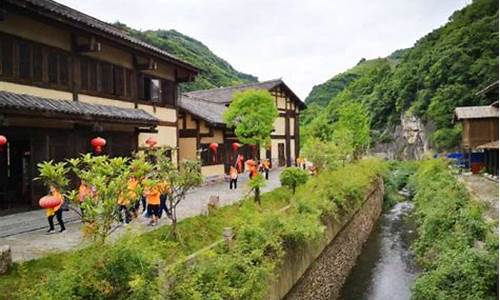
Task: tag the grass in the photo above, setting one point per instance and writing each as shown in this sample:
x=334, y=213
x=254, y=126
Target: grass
x=195, y=232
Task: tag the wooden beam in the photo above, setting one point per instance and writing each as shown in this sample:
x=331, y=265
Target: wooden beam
x=145, y=64
x=92, y=46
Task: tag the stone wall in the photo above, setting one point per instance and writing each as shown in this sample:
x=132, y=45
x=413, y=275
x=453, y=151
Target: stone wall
x=318, y=270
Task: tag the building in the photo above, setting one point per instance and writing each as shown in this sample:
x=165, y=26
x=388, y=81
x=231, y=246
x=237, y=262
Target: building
x=480, y=124
x=480, y=131
x=201, y=123
x=66, y=77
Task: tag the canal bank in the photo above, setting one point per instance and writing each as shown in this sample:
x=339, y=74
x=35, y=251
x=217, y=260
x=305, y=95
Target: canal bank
x=318, y=271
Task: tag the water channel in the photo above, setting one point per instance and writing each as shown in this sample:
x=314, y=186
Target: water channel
x=386, y=268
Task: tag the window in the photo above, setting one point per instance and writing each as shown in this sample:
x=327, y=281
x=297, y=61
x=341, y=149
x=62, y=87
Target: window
x=7, y=57
x=24, y=60
x=52, y=67
x=128, y=83
x=168, y=92
x=150, y=89
x=106, y=78
x=92, y=65
x=63, y=69
x=155, y=90
x=37, y=63
x=119, y=81
x=84, y=74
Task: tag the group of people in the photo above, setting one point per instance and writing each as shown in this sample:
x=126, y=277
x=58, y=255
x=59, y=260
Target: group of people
x=253, y=167
x=154, y=200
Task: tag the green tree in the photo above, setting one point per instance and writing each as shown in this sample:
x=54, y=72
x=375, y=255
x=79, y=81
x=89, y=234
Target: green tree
x=252, y=114
x=179, y=180
x=354, y=118
x=292, y=177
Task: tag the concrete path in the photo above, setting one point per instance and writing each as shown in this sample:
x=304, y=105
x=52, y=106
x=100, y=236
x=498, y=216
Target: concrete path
x=486, y=190
x=27, y=237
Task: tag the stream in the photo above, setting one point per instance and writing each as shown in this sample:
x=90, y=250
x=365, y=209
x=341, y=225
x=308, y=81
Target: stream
x=386, y=268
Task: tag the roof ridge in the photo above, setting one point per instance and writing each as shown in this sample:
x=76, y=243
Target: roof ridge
x=236, y=86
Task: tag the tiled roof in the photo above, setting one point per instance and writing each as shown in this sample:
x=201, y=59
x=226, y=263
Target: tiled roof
x=210, y=105
x=22, y=102
x=225, y=94
x=86, y=20
x=476, y=112
x=208, y=111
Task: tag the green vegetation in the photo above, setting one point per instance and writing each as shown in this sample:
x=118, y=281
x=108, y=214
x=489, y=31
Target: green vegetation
x=215, y=71
x=329, y=144
x=457, y=249
x=139, y=266
x=397, y=179
x=252, y=114
x=293, y=177
x=245, y=269
x=134, y=258
x=443, y=70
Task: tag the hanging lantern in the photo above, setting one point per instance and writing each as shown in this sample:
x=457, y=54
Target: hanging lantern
x=235, y=146
x=49, y=202
x=213, y=147
x=151, y=142
x=98, y=143
x=3, y=142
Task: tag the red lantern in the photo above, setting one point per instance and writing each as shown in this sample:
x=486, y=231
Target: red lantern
x=235, y=146
x=49, y=202
x=98, y=143
x=213, y=147
x=3, y=142
x=151, y=142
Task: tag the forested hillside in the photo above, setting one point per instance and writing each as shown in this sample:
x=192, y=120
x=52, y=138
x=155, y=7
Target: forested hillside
x=444, y=69
x=215, y=71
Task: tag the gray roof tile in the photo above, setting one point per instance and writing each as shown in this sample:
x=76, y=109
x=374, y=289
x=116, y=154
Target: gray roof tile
x=23, y=102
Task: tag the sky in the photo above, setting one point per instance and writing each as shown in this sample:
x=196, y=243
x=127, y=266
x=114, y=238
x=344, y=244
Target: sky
x=304, y=42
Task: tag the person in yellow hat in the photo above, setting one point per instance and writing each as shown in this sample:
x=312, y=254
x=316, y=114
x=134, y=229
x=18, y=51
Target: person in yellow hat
x=152, y=194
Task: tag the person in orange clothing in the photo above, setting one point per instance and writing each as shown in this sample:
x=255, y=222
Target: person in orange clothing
x=56, y=211
x=124, y=201
x=84, y=191
x=152, y=195
x=233, y=178
x=266, y=166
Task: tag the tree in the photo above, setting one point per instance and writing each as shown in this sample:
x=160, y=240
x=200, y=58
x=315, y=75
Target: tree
x=292, y=177
x=108, y=179
x=354, y=118
x=180, y=180
x=252, y=114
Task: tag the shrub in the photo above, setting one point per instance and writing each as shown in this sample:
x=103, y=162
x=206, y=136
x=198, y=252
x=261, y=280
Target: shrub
x=449, y=225
x=292, y=177
x=124, y=270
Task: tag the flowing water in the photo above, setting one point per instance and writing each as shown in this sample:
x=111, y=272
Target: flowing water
x=385, y=269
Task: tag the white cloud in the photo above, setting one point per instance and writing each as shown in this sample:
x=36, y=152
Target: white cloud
x=305, y=42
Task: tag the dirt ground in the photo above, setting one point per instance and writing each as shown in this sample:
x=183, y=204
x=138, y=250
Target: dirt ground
x=486, y=190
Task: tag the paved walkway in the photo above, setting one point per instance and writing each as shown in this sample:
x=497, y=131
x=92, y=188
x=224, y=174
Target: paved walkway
x=27, y=237
x=486, y=190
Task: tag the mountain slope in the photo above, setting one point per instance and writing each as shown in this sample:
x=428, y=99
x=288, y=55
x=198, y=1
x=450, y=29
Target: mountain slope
x=322, y=93
x=441, y=71
x=215, y=71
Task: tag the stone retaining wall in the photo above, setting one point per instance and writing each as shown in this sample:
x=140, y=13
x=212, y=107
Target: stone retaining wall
x=318, y=270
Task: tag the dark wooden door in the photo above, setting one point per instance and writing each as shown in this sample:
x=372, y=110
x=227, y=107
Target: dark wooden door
x=281, y=154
